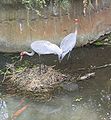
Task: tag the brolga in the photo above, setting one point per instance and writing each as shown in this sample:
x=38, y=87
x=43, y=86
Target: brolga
x=69, y=42
x=41, y=48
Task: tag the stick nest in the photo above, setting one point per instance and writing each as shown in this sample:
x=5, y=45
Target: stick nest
x=32, y=84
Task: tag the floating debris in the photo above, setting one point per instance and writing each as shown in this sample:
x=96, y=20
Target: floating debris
x=19, y=112
x=88, y=75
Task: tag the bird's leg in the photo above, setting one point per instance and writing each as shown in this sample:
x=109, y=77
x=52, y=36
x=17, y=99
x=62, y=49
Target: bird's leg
x=69, y=54
x=39, y=65
x=44, y=66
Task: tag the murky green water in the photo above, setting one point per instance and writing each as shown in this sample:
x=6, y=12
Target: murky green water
x=90, y=101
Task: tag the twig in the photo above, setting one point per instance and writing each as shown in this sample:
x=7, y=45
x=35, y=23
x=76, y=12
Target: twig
x=8, y=67
x=102, y=66
x=88, y=75
x=19, y=112
x=94, y=67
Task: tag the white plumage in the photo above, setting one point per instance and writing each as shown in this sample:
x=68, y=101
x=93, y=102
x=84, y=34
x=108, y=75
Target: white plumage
x=45, y=47
x=67, y=44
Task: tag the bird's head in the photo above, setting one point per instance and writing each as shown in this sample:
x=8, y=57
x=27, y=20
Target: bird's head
x=22, y=54
x=61, y=57
x=76, y=21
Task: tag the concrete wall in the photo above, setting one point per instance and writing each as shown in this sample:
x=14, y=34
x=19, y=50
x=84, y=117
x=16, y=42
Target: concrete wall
x=18, y=28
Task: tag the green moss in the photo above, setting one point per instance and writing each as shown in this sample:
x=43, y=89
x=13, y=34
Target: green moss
x=98, y=43
x=34, y=3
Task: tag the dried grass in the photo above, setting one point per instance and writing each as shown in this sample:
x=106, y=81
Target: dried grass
x=32, y=84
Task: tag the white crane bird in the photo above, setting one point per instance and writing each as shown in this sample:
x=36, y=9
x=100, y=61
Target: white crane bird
x=43, y=47
x=69, y=42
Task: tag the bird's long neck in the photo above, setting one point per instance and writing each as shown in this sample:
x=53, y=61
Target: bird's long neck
x=76, y=28
x=30, y=54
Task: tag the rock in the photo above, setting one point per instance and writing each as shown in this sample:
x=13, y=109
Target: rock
x=70, y=86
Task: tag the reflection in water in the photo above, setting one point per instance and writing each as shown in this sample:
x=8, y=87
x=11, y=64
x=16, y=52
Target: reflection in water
x=89, y=103
x=64, y=107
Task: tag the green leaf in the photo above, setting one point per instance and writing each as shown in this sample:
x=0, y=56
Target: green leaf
x=98, y=43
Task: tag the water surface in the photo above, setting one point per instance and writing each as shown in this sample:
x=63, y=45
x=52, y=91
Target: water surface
x=89, y=101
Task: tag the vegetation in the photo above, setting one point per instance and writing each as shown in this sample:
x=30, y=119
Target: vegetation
x=53, y=5
x=39, y=4
x=34, y=3
x=42, y=3
x=103, y=40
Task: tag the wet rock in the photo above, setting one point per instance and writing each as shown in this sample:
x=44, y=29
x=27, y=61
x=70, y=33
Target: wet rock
x=70, y=86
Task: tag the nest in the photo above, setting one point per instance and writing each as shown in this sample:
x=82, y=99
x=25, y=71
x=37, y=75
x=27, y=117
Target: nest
x=32, y=84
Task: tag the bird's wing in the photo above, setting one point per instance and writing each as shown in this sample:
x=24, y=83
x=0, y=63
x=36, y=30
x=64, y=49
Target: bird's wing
x=44, y=47
x=68, y=42
x=55, y=49
x=39, y=42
